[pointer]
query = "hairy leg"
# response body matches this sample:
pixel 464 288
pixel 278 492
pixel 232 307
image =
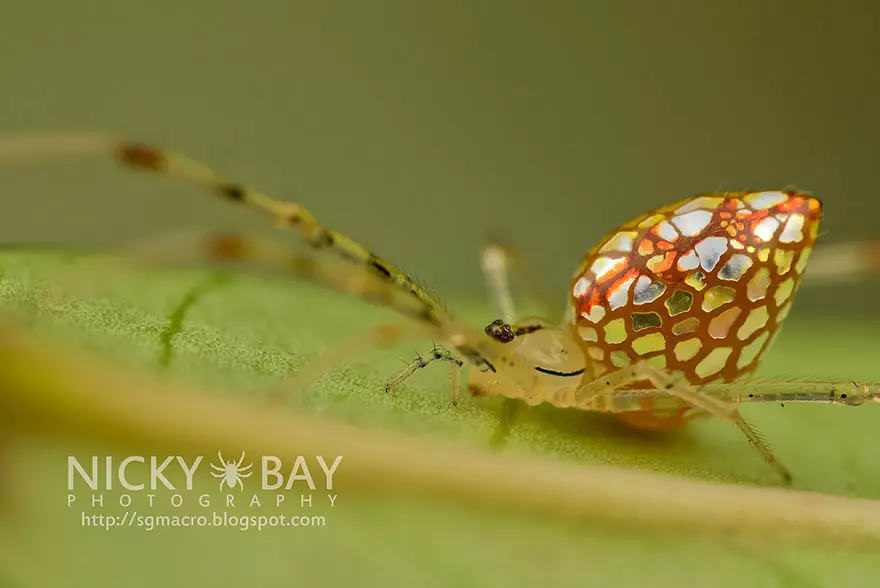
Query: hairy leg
pixel 805 390
pixel 436 354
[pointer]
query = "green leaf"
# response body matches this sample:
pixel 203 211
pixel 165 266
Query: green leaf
pixel 241 336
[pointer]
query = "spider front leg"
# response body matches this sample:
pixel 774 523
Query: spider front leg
pixel 437 354
pixel 289 215
pixel 377 337
pixel 615 382
pixel 220 468
pixel 343 275
pixel 496 259
pixel 494 263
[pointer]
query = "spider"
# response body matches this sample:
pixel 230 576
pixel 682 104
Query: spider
pixel 231 472
pixel 665 314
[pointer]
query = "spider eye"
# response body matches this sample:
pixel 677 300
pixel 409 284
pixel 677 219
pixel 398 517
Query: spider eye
pixel 500 331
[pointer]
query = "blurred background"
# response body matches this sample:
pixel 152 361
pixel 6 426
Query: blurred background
pixel 422 128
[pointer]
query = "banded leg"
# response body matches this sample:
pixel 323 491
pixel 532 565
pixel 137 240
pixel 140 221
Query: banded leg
pixel 843 262
pixel 612 383
pixel 411 299
pixel 340 275
pixel 147 158
pixel 833 263
pixel 792 391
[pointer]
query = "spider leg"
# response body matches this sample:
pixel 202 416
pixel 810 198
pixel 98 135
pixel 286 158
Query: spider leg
pixel 510 409
pixel 783 391
pixel 246 468
pixel 342 276
pixel 437 354
pixel 496 260
pixel 358 271
pixel 34 147
pixel 378 337
pixel 454 383
pixel 611 384
pixel 843 262
pixel 216 475
pixel 240 461
pixel 196 248
pixel 220 457
pixel 381 336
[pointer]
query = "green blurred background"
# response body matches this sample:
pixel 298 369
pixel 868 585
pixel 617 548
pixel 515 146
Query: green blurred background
pixel 422 128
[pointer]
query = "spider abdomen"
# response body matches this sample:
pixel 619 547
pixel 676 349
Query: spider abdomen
pixel 699 287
